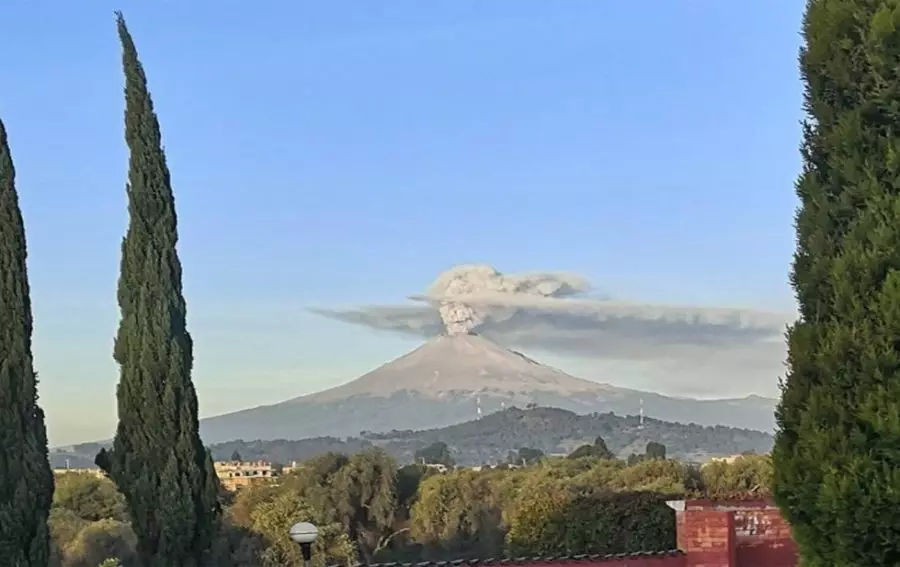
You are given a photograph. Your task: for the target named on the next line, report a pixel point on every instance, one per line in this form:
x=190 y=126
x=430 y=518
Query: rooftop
x=530 y=560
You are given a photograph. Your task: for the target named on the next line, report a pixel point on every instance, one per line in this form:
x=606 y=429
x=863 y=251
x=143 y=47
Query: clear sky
x=337 y=153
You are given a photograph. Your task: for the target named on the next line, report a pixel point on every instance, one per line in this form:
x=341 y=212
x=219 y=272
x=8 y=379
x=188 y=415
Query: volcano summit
x=464 y=365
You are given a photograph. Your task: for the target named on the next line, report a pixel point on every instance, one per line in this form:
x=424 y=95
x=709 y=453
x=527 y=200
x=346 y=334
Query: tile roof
x=584 y=559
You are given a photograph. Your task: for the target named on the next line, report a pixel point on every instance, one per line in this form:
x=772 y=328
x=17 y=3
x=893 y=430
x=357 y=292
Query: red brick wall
x=711 y=533
x=760 y=536
x=763 y=538
x=707 y=538
x=671 y=561
x=635 y=561
x=680 y=530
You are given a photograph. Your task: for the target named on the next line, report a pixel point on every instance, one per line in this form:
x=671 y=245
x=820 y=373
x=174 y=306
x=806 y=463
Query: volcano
x=455 y=378
x=460 y=364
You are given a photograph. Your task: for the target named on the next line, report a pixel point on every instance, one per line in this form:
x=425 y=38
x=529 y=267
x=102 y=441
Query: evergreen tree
x=26 y=480
x=602 y=450
x=157 y=460
x=837 y=449
x=438 y=453
x=655 y=450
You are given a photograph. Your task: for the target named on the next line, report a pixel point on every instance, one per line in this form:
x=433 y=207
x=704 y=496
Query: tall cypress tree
x=26 y=480
x=158 y=460
x=837 y=449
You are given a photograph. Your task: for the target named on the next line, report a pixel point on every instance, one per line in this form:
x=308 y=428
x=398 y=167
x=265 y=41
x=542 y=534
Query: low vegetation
x=369 y=509
x=838 y=429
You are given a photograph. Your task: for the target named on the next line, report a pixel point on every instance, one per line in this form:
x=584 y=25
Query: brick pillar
x=680 y=531
x=707 y=538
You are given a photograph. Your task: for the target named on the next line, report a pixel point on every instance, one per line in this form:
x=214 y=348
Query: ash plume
x=552 y=312
x=454 y=290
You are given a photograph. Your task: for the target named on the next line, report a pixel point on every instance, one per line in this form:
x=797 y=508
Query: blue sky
x=339 y=153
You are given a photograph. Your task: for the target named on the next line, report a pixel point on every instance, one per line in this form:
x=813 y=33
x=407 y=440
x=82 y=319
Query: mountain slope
x=459 y=363
x=446 y=380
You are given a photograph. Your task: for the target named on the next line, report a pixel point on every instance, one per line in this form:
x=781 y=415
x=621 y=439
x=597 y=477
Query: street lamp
x=304 y=534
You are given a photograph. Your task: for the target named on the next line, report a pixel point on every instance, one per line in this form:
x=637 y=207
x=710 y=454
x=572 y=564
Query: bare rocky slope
x=444 y=381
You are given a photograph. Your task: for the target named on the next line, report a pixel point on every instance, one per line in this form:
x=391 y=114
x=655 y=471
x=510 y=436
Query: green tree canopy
x=567 y=522
x=459 y=514
x=272 y=521
x=26 y=480
x=367 y=500
x=438 y=453
x=89 y=497
x=655 y=450
x=409 y=478
x=99 y=542
x=597 y=450
x=751 y=474
x=536 y=524
x=158 y=461
x=526 y=456
x=836 y=457
x=431 y=515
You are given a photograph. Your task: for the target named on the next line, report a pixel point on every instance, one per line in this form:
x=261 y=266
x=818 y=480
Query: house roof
x=557 y=559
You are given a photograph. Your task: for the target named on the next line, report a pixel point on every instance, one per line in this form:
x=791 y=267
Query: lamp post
x=304 y=534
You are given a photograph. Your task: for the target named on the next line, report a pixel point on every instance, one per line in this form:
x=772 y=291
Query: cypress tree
x=157 y=460
x=26 y=480
x=837 y=449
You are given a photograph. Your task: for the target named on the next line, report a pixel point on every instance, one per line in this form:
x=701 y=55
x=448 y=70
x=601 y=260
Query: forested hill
x=490 y=439
x=551 y=430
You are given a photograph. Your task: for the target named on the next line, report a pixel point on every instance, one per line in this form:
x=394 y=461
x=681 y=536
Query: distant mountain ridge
x=490 y=439
x=447 y=379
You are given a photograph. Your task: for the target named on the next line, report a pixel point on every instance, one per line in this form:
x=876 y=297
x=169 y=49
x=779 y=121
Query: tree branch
x=385 y=541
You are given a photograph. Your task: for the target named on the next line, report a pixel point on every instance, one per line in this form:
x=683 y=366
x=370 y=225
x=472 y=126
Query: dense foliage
x=26 y=481
x=837 y=453
x=438 y=453
x=596 y=449
x=369 y=509
x=592 y=521
x=157 y=459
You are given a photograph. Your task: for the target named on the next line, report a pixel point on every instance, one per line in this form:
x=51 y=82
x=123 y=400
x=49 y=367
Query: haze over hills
x=492 y=438
x=447 y=379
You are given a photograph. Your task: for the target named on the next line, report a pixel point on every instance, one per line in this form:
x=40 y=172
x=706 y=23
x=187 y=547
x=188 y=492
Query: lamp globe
x=304 y=534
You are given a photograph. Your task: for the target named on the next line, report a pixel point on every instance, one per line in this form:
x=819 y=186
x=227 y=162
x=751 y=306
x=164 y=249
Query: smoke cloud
x=553 y=312
x=468 y=296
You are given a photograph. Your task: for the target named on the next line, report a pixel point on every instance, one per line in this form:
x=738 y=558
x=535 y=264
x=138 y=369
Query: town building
x=295 y=466
x=234 y=475
x=726 y=460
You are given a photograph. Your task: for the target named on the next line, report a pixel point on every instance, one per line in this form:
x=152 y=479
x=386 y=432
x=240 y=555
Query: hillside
x=551 y=430
x=444 y=381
